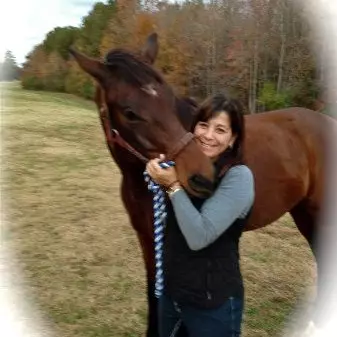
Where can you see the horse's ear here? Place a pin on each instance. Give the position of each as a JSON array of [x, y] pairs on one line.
[[93, 67], [150, 50]]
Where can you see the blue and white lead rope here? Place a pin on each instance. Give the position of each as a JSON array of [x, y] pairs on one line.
[[159, 213]]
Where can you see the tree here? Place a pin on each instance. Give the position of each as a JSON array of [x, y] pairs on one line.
[[9, 68], [60, 39], [93, 27], [35, 69], [258, 50]]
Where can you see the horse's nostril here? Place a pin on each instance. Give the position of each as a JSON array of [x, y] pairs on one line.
[[201, 185]]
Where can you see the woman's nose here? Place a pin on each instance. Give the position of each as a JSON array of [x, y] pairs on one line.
[[208, 134]]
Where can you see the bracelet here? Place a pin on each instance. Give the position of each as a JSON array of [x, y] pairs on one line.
[[171, 188], [170, 191]]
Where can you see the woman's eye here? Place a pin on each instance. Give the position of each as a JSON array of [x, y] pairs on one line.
[[202, 125], [222, 130]]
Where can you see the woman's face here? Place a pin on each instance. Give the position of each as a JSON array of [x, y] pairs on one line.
[[215, 135]]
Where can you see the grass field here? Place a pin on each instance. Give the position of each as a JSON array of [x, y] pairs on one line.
[[79, 256]]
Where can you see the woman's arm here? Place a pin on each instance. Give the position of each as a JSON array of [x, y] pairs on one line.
[[232, 200]]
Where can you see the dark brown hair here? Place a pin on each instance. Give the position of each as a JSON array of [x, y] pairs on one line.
[[210, 108]]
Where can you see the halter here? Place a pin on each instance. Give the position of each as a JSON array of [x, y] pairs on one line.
[[182, 143], [114, 136]]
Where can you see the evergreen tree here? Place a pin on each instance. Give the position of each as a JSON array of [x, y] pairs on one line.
[[9, 68]]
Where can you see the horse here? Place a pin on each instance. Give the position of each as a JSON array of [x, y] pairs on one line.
[[287, 150]]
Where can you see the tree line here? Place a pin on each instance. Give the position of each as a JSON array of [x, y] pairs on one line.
[[259, 50]]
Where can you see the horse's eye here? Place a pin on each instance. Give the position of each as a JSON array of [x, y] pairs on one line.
[[130, 115]]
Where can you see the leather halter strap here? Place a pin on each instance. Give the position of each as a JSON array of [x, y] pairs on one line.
[[116, 138], [182, 143], [187, 137]]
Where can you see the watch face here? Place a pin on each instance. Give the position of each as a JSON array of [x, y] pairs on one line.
[[170, 190]]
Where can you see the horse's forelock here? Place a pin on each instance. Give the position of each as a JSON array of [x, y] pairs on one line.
[[131, 68]]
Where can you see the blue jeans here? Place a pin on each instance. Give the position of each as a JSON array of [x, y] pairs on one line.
[[224, 321]]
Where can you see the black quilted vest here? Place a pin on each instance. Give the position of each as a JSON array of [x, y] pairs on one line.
[[203, 278]]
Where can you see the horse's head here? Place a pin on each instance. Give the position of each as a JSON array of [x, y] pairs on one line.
[[142, 107]]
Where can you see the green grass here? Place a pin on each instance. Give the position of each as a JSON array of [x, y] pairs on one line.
[[72, 238]]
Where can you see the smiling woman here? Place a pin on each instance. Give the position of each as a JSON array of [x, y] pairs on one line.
[[202, 234], [218, 127], [215, 136]]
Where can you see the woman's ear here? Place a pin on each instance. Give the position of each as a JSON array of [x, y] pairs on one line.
[[232, 141]]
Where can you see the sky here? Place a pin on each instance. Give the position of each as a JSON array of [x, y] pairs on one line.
[[24, 24]]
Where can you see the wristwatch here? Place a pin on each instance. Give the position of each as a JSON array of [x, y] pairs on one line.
[[171, 190]]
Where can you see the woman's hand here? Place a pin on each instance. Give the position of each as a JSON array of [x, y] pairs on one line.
[[162, 176]]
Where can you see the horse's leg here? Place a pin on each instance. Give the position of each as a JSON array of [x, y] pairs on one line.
[[152, 319], [306, 216], [152, 329], [138, 204]]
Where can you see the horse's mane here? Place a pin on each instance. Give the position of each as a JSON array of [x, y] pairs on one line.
[[131, 68], [186, 110]]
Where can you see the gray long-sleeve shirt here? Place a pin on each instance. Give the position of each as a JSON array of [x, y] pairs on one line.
[[232, 200]]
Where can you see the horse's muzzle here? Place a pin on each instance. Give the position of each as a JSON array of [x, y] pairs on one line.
[[201, 186]]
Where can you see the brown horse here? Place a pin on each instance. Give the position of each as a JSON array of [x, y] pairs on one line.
[[286, 149]]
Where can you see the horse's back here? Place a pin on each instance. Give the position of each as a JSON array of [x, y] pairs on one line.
[[287, 152], [299, 115]]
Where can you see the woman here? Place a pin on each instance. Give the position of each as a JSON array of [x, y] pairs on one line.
[[203, 287]]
